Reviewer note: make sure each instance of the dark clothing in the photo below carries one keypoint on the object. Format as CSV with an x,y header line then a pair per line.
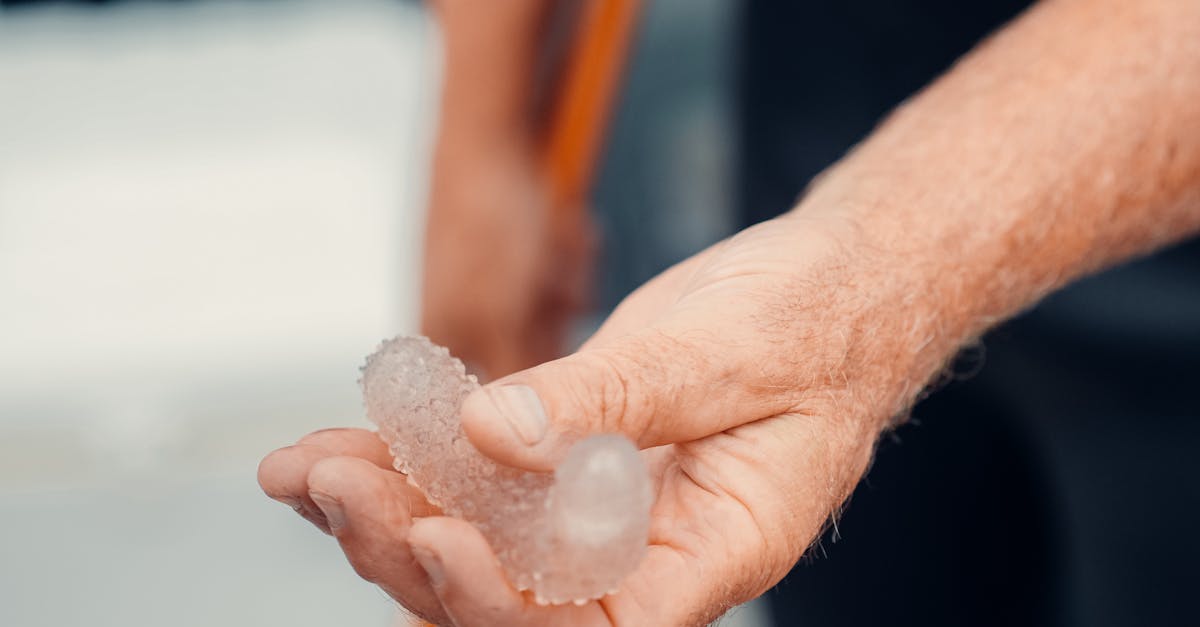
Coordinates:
x,y
1059,485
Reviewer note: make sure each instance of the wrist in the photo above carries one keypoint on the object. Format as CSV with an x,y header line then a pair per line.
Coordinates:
x,y
901,305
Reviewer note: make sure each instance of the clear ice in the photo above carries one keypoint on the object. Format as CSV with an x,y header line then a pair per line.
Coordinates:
x,y
569,536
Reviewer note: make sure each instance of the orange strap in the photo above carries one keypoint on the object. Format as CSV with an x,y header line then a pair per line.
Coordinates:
x,y
580,112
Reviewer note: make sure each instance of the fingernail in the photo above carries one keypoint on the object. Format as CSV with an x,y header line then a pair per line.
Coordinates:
x,y
331,508
522,409
431,563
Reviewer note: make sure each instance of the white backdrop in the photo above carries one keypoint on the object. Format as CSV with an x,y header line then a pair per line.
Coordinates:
x,y
208,216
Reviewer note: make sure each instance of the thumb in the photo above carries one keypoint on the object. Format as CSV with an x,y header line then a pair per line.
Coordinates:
x,y
652,387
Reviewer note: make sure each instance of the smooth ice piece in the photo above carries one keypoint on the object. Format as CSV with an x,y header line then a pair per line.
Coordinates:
x,y
570,536
599,505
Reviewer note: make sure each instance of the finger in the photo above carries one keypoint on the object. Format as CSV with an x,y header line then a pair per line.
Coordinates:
x,y
666,589
472,587
352,442
283,474
656,386
369,512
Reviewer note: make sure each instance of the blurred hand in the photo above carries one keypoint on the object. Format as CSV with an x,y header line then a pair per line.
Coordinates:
x,y
501,286
755,376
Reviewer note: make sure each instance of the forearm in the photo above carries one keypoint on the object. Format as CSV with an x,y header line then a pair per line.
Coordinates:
x,y
1067,143
490,52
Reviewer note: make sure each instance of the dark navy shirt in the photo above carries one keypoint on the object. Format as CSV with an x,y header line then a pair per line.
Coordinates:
x,y
1058,486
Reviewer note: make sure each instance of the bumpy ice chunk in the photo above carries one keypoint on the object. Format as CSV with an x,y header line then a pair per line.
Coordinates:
x,y
570,536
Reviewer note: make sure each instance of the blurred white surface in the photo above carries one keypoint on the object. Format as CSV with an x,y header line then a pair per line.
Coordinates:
x,y
208,216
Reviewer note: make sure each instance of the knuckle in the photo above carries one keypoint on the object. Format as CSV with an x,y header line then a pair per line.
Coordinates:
x,y
601,385
635,382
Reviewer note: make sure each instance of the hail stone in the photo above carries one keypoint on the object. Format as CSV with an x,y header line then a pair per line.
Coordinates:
x,y
569,536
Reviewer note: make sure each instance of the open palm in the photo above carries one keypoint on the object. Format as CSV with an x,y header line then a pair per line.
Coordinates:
x,y
739,375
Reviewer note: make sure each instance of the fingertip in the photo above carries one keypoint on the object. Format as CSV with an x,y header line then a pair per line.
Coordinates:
x,y
329,484
437,539
282,473
432,532
423,539
461,566
471,585
270,470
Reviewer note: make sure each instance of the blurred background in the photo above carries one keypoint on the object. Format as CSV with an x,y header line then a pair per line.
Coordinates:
x,y
209,213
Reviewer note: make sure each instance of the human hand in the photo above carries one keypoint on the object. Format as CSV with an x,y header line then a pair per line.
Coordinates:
x,y
756,376
501,284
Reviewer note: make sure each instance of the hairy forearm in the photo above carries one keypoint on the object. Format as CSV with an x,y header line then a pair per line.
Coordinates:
x,y
1067,143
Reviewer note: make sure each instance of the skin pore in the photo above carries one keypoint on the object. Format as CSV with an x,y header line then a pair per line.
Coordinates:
x,y
758,374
